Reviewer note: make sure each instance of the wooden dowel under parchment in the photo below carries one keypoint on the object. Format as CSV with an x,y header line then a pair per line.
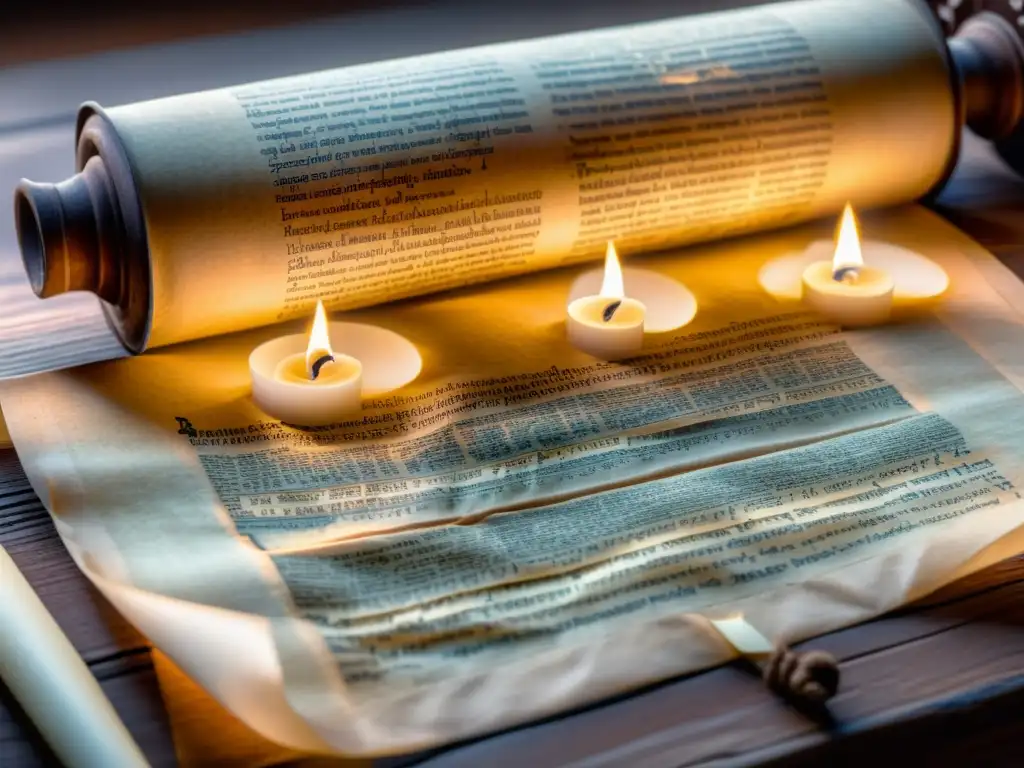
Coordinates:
x,y
811,677
52,683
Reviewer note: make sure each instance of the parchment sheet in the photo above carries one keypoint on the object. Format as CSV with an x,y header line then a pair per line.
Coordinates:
x,y
466,612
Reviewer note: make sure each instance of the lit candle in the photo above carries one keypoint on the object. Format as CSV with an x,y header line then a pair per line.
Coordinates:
x,y
301,380
846,290
609,325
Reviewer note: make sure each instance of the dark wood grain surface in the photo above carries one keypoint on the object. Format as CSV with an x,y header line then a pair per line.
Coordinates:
x,y
941,684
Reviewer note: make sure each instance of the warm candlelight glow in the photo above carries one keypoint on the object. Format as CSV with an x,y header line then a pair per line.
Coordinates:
x,y
319,346
847,261
612,286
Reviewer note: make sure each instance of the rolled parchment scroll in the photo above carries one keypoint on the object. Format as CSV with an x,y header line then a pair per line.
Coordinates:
x,y
52,683
208,213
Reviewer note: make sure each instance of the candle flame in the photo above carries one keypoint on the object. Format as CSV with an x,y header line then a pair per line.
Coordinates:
x,y
848,258
612,286
319,345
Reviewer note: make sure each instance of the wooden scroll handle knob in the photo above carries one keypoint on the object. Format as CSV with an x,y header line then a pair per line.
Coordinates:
x,y
987,50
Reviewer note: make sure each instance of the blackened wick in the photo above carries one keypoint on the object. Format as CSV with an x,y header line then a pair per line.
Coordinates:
x,y
842,273
320,362
609,311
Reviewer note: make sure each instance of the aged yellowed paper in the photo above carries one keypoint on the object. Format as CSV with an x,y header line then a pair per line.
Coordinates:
x,y
521,529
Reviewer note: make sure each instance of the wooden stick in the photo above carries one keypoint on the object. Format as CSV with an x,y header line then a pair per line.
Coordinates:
x,y
811,677
53,684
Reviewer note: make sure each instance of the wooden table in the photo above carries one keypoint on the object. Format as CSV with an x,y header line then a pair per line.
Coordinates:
x,y
941,684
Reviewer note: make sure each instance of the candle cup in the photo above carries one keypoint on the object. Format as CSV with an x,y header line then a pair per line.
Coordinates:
x,y
282,388
864,302
668,304
619,336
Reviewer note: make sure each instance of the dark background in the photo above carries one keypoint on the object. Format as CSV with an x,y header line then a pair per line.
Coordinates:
x,y
46,29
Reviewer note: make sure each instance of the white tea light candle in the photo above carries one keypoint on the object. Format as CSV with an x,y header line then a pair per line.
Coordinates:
x,y
609,325
301,380
846,290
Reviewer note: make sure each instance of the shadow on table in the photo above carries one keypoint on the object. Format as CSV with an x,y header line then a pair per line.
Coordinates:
x,y
29,750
